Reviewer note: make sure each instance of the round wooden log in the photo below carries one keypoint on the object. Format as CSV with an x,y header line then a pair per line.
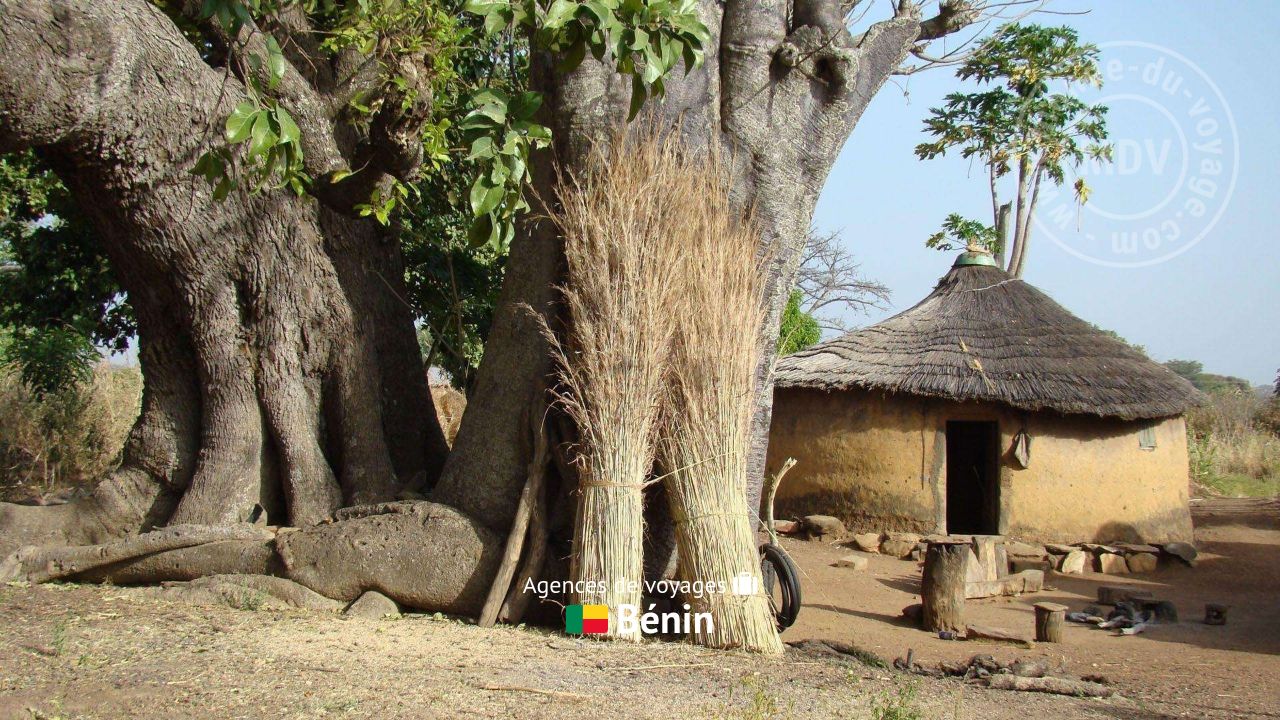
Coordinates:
x,y
1050,618
942,590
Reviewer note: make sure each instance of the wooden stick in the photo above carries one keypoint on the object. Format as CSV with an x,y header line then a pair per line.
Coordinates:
x,y
1051,685
770,492
519,526
535,691
517,599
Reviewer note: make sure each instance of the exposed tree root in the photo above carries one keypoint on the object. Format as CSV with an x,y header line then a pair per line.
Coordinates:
x,y
41,564
249,592
229,557
420,554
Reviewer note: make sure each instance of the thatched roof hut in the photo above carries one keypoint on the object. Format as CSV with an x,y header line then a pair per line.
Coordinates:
x,y
885,416
984,336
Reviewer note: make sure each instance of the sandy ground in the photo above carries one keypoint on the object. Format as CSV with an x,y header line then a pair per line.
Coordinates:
x,y
69,651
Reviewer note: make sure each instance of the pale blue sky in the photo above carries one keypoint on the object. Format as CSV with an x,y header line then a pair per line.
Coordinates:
x,y
1216,301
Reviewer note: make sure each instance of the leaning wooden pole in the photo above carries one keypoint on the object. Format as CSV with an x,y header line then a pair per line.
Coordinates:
x,y
942,590
520,525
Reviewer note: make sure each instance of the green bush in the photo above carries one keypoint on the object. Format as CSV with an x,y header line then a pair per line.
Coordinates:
x,y
1233,445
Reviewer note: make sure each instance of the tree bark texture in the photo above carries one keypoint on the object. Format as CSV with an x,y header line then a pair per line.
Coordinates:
x,y
942,589
781,89
1050,619
281,368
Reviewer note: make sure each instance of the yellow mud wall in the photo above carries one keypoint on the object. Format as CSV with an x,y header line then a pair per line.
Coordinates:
x,y
878,462
860,458
1090,480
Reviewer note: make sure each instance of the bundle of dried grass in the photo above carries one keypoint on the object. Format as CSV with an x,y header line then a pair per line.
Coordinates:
x,y
718,312
614,218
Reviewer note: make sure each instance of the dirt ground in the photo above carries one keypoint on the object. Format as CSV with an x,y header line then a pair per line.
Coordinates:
x,y
74,651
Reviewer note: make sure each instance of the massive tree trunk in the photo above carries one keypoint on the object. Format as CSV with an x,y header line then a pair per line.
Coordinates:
x,y
281,369
781,89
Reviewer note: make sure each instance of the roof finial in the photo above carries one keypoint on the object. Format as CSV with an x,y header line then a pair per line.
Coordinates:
x,y
975,254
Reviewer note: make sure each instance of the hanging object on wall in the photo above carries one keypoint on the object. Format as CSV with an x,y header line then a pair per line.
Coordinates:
x,y
1022,449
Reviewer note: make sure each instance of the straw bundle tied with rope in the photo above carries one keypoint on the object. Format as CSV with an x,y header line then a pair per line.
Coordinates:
x,y
718,313
663,308
614,218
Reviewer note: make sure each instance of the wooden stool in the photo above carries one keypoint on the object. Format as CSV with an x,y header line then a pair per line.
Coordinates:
x,y
1050,618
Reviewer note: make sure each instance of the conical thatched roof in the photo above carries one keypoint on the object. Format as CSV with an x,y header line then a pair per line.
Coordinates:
x,y
983,335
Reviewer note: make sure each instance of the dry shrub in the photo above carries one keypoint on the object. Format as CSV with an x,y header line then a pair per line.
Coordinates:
x,y
450,404
719,311
1233,448
614,218
64,440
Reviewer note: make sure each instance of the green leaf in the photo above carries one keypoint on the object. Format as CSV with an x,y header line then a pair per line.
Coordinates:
x,y
639,40
275,62
525,105
240,121
480,230
637,97
482,148
573,57
289,132
483,7
476,121
340,175
262,138
484,196
222,189
560,12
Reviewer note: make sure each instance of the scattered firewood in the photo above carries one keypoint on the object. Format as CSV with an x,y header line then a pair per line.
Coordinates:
x,y
1051,685
983,632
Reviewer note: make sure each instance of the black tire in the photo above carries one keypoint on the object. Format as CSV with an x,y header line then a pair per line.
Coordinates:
x,y
776,567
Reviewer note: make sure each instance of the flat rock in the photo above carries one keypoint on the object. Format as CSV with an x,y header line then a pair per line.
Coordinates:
x,y
1095,548
1018,564
786,527
853,562
1142,562
823,525
1111,564
1021,549
372,605
1137,548
983,589
1073,563
1057,549
897,548
1032,580
867,542
1186,552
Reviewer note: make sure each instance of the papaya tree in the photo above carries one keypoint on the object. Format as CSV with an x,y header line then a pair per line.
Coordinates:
x,y
1024,127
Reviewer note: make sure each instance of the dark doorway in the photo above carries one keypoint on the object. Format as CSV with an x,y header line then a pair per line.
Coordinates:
x,y
973,478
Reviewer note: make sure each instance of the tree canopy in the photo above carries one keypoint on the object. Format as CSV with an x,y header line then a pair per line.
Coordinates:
x,y
1020,127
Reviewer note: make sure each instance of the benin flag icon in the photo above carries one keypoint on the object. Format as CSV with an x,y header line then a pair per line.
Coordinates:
x,y
586,619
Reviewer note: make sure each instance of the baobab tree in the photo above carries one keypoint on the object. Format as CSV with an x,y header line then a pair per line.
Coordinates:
x,y
282,374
